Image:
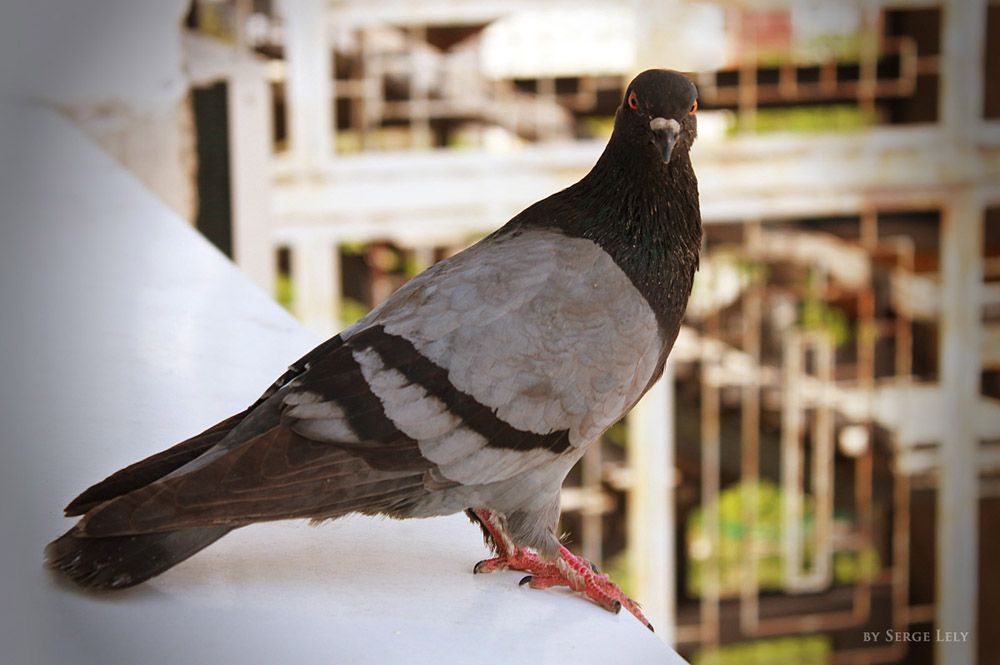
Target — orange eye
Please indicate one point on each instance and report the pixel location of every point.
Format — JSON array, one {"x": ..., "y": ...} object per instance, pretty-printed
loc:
[
  {"x": 633, "y": 103},
  {"x": 694, "y": 107}
]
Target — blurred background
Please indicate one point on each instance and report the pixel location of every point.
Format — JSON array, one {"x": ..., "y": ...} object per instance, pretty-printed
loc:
[{"x": 821, "y": 463}]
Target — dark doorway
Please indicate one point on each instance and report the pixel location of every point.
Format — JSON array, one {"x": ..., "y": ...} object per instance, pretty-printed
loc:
[{"x": 214, "y": 217}]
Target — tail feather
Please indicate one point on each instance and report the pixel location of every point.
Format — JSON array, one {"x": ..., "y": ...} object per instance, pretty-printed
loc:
[
  {"x": 273, "y": 476},
  {"x": 119, "y": 562},
  {"x": 152, "y": 468}
]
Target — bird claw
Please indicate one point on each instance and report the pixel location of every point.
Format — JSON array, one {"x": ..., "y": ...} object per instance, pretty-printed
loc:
[
  {"x": 490, "y": 565},
  {"x": 568, "y": 570}
]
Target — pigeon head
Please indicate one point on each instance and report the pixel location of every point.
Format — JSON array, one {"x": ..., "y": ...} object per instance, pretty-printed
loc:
[{"x": 657, "y": 113}]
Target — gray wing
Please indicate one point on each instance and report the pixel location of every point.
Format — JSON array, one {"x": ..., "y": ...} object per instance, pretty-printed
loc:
[
  {"x": 506, "y": 355},
  {"x": 482, "y": 371}
]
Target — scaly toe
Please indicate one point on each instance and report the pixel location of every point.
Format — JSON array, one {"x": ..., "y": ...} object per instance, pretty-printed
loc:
[{"x": 490, "y": 565}]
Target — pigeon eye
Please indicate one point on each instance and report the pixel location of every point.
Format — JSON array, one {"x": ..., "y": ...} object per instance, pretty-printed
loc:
[
  {"x": 633, "y": 103},
  {"x": 694, "y": 107}
]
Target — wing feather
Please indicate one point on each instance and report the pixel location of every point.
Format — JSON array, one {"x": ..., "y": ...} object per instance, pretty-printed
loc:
[
  {"x": 482, "y": 371},
  {"x": 277, "y": 475},
  {"x": 566, "y": 333},
  {"x": 531, "y": 341}
]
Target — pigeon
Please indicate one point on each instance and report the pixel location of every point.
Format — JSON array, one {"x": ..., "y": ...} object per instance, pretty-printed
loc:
[{"x": 475, "y": 387}]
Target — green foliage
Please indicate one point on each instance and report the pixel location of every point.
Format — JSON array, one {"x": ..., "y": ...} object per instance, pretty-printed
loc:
[
  {"x": 755, "y": 272},
  {"x": 616, "y": 434},
  {"x": 283, "y": 291},
  {"x": 804, "y": 650},
  {"x": 351, "y": 310},
  {"x": 411, "y": 267},
  {"x": 849, "y": 567},
  {"x": 353, "y": 247},
  {"x": 599, "y": 128},
  {"x": 834, "y": 117},
  {"x": 734, "y": 543},
  {"x": 817, "y": 315},
  {"x": 618, "y": 569},
  {"x": 734, "y": 539}
]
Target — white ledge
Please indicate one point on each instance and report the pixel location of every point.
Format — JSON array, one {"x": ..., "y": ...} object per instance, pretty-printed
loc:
[{"x": 125, "y": 332}]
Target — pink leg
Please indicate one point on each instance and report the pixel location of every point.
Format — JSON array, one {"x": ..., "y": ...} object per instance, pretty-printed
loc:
[{"x": 566, "y": 570}]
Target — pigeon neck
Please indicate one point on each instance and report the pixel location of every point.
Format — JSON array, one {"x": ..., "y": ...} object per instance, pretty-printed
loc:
[{"x": 645, "y": 215}]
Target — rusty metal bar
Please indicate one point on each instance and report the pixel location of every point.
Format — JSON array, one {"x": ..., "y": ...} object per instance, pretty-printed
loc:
[
  {"x": 863, "y": 473},
  {"x": 865, "y": 90},
  {"x": 868, "y": 61},
  {"x": 796, "y": 579},
  {"x": 746, "y": 104},
  {"x": 898, "y": 575},
  {"x": 792, "y": 424},
  {"x": 902, "y": 614},
  {"x": 750, "y": 439}
]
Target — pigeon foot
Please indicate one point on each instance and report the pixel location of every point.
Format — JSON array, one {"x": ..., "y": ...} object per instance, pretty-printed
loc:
[{"x": 566, "y": 570}]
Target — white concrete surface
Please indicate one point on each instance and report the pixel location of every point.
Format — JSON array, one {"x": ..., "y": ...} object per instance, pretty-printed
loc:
[{"x": 123, "y": 332}]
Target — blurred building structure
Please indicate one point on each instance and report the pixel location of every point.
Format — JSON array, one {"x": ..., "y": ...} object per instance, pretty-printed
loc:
[{"x": 823, "y": 460}]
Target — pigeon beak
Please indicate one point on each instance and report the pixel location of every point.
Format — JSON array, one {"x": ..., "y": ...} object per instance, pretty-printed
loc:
[{"x": 665, "y": 133}]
